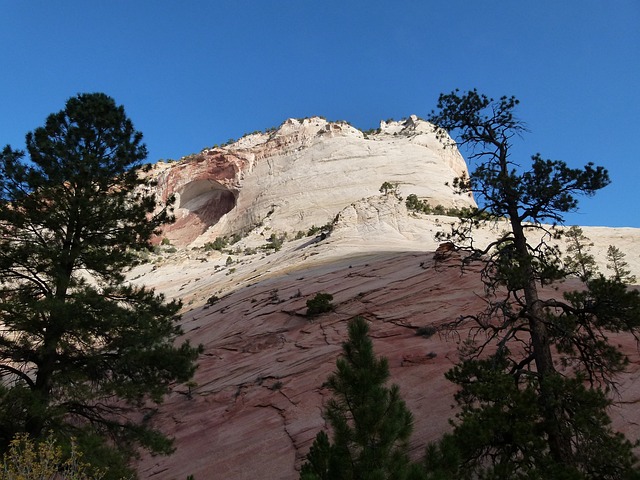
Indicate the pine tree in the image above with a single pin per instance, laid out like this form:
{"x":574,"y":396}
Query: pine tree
{"x":619,"y":266}
{"x":370,"y":423}
{"x":578,"y":260}
{"x":534,"y":371}
{"x":83,"y":353}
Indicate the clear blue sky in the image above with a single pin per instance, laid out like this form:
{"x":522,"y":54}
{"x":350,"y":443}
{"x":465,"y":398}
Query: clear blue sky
{"x":195,"y":73}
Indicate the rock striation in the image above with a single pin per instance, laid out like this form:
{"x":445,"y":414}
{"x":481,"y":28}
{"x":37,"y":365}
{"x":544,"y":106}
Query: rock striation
{"x":256,"y":406}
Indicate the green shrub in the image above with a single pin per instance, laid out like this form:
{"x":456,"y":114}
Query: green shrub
{"x":218,"y":244}
{"x":275,"y":241}
{"x":414,"y":204}
{"x":313,"y":230}
{"x":388,"y":187}
{"x":321,"y":303}
{"x":426,"y":331}
{"x":328,"y":227}
{"x":439,"y":210}
{"x":235,"y":238}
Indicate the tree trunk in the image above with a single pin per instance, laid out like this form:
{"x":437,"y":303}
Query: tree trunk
{"x":55,"y":327}
{"x":559,"y":444}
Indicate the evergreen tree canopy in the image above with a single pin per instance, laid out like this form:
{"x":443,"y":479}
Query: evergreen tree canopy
{"x":371,"y":424}
{"x":619,"y":266}
{"x":535,"y":371}
{"x":82,"y":353}
{"x":578,"y":260}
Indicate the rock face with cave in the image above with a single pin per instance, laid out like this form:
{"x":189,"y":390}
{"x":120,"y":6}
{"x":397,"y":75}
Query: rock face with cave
{"x":205,"y":188}
{"x":303,"y":174}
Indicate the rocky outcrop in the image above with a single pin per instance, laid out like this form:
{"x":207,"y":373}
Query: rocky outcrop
{"x":257,"y":404}
{"x":303,"y":174}
{"x":259,"y":395}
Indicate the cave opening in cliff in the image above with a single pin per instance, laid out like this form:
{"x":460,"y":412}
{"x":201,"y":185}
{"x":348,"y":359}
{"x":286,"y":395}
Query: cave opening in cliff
{"x":207,"y":199}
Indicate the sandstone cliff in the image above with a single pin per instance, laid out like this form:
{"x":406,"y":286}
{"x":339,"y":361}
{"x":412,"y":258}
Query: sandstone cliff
{"x":256,"y":405}
{"x":303,"y":174}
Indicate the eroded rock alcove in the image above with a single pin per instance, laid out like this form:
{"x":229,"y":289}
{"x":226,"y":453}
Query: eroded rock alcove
{"x":207,"y":199}
{"x":200,"y":204}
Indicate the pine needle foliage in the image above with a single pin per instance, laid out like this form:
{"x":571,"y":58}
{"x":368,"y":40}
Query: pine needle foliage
{"x":536,"y":371}
{"x":319,"y":304}
{"x":369,"y":421}
{"x":578,"y":260}
{"x":619,"y":265}
{"x":83,"y":353}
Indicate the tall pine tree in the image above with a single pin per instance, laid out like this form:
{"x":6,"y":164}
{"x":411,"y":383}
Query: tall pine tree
{"x":578,"y":260}
{"x":82,"y":353}
{"x":617,"y":263}
{"x":535,"y":370}
{"x":369,"y":421}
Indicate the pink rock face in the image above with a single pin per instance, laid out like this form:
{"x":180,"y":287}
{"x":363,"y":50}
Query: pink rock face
{"x":258,"y":401}
{"x":205,"y":187}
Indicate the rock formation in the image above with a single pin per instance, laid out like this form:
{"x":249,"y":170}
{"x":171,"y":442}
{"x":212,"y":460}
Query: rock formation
{"x":303,"y":174}
{"x":256,"y":403}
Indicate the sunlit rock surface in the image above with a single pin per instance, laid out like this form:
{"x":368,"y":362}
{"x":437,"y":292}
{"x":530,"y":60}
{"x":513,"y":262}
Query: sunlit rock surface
{"x":303,"y":174}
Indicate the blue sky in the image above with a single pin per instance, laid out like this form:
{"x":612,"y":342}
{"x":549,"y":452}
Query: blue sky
{"x":196,"y":73}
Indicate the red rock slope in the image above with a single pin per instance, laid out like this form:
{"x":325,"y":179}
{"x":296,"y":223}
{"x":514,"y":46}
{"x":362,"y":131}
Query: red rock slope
{"x":258,"y":400}
{"x":257,"y":405}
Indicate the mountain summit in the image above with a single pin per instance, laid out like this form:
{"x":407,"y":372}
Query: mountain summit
{"x":303,"y":174}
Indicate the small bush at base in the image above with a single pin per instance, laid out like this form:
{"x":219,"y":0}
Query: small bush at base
{"x":28,"y":460}
{"x":218,"y":244}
